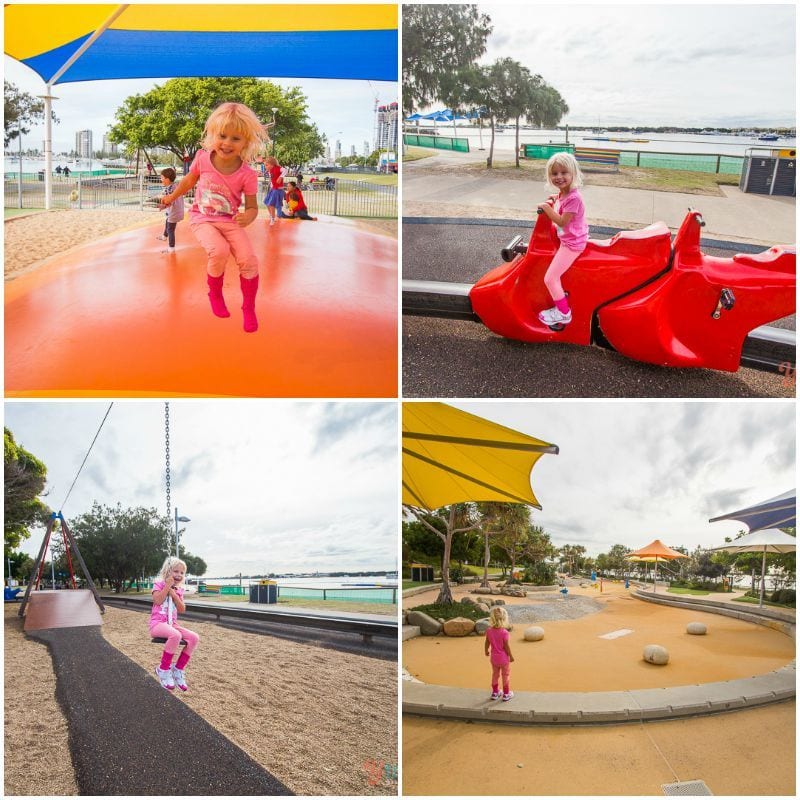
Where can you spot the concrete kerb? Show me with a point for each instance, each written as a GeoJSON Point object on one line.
{"type": "Point", "coordinates": [588, 708]}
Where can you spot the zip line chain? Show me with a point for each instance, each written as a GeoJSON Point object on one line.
{"type": "Point", "coordinates": [166, 447]}
{"type": "Point", "coordinates": [108, 411]}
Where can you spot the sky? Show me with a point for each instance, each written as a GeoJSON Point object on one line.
{"type": "Point", "coordinates": [269, 486]}
{"type": "Point", "coordinates": [630, 472]}
{"type": "Point", "coordinates": [689, 65]}
{"type": "Point", "coordinates": [341, 110]}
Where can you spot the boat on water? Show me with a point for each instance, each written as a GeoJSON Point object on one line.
{"type": "Point", "coordinates": [768, 137]}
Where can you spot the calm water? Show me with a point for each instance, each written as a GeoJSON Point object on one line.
{"type": "Point", "coordinates": [658, 142]}
{"type": "Point", "coordinates": [311, 583]}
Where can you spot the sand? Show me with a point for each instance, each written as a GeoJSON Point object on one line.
{"type": "Point", "coordinates": [322, 721]}
{"type": "Point", "coordinates": [31, 239]}
{"type": "Point", "coordinates": [559, 663]}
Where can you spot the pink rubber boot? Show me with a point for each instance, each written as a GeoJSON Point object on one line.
{"type": "Point", "coordinates": [249, 289]}
{"type": "Point", "coordinates": [215, 296]}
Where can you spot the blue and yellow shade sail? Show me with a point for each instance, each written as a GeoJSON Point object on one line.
{"type": "Point", "coordinates": [357, 42]}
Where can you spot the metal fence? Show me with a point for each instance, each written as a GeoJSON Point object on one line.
{"type": "Point", "coordinates": [336, 197]}
{"type": "Point", "coordinates": [691, 162]}
{"type": "Point", "coordinates": [437, 142]}
{"type": "Point", "coordinates": [358, 594]}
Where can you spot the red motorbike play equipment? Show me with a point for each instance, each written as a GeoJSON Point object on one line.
{"type": "Point", "coordinates": [651, 299]}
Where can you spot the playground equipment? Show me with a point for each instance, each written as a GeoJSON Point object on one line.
{"type": "Point", "coordinates": [69, 608]}
{"type": "Point", "coordinates": [651, 299]}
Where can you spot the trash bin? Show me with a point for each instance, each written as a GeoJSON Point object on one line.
{"type": "Point", "coordinates": [769, 171]}
{"type": "Point", "coordinates": [40, 175]}
{"type": "Point", "coordinates": [264, 592]}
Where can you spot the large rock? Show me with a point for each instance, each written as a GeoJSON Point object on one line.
{"type": "Point", "coordinates": [497, 601]}
{"type": "Point", "coordinates": [697, 628]}
{"type": "Point", "coordinates": [495, 590]}
{"type": "Point", "coordinates": [482, 607]}
{"type": "Point", "coordinates": [459, 626]}
{"type": "Point", "coordinates": [655, 654]}
{"type": "Point", "coordinates": [482, 625]}
{"type": "Point", "coordinates": [428, 625]}
{"type": "Point", "coordinates": [468, 601]}
{"type": "Point", "coordinates": [534, 634]}
{"type": "Point", "coordinates": [483, 590]}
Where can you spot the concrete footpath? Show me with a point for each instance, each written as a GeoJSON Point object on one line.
{"type": "Point", "coordinates": [432, 187]}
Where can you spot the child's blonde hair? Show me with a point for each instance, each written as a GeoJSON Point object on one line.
{"type": "Point", "coordinates": [168, 565]}
{"type": "Point", "coordinates": [239, 119]}
{"type": "Point", "coordinates": [498, 617]}
{"type": "Point", "coordinates": [566, 160]}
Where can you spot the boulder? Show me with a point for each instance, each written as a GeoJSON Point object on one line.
{"type": "Point", "coordinates": [534, 634]}
{"type": "Point", "coordinates": [428, 625]}
{"type": "Point", "coordinates": [468, 601]}
{"type": "Point", "coordinates": [697, 628]}
{"type": "Point", "coordinates": [497, 601]}
{"type": "Point", "coordinates": [495, 590]}
{"type": "Point", "coordinates": [458, 626]}
{"type": "Point", "coordinates": [655, 654]}
{"type": "Point", "coordinates": [483, 590]}
{"type": "Point", "coordinates": [482, 607]}
{"type": "Point", "coordinates": [481, 626]}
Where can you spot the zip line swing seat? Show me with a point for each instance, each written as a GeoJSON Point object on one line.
{"type": "Point", "coordinates": [163, 640]}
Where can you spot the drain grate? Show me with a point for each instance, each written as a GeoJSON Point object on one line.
{"type": "Point", "coordinates": [686, 789]}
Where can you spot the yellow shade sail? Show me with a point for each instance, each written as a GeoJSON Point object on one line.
{"type": "Point", "coordinates": [451, 456]}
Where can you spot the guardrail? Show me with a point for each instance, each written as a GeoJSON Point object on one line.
{"type": "Point", "coordinates": [367, 629]}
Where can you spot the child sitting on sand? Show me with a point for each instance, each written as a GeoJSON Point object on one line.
{"type": "Point", "coordinates": [167, 604]}
{"type": "Point", "coordinates": [233, 135]}
{"type": "Point", "coordinates": [496, 646]}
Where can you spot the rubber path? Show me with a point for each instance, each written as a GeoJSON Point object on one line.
{"type": "Point", "coordinates": [129, 736]}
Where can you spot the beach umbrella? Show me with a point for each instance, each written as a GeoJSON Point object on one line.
{"type": "Point", "coordinates": [86, 42]}
{"type": "Point", "coordinates": [780, 511]}
{"type": "Point", "coordinates": [451, 456]}
{"type": "Point", "coordinates": [761, 541]}
{"type": "Point", "coordinates": [655, 550]}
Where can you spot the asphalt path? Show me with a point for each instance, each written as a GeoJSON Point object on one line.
{"type": "Point", "coordinates": [129, 736]}
{"type": "Point", "coordinates": [453, 358]}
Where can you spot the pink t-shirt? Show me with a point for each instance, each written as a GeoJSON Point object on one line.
{"type": "Point", "coordinates": [217, 197]}
{"type": "Point", "coordinates": [575, 233]}
{"type": "Point", "coordinates": [160, 612]}
{"type": "Point", "coordinates": [497, 639]}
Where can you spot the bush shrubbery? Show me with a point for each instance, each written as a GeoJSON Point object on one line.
{"type": "Point", "coordinates": [785, 597]}
{"type": "Point", "coordinates": [451, 610]}
{"type": "Point", "coordinates": [706, 586]}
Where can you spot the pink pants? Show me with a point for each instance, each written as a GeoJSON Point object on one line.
{"type": "Point", "coordinates": [219, 240]}
{"type": "Point", "coordinates": [561, 262]}
{"type": "Point", "coordinates": [497, 671]}
{"type": "Point", "coordinates": [174, 634]}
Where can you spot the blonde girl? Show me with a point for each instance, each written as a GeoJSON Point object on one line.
{"type": "Point", "coordinates": [167, 604]}
{"type": "Point", "coordinates": [566, 209]}
{"type": "Point", "coordinates": [221, 176]}
{"type": "Point", "coordinates": [497, 647]}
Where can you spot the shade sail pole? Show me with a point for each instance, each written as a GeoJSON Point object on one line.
{"type": "Point", "coordinates": [763, 570]}
{"type": "Point", "coordinates": [48, 104]}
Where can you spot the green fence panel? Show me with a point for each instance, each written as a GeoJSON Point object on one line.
{"type": "Point", "coordinates": [437, 142]}
{"type": "Point", "coordinates": [544, 151]}
{"type": "Point", "coordinates": [691, 162]}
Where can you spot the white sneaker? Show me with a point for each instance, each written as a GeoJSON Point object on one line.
{"type": "Point", "coordinates": [554, 317]}
{"type": "Point", "coordinates": [180, 679]}
{"type": "Point", "coordinates": [169, 250]}
{"type": "Point", "coordinates": [272, 220]}
{"type": "Point", "coordinates": [507, 697]}
{"type": "Point", "coordinates": [165, 676]}
{"type": "Point", "coordinates": [161, 238]}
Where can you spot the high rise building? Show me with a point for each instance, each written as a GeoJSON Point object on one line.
{"type": "Point", "coordinates": [352, 150]}
{"type": "Point", "coordinates": [386, 119]}
{"type": "Point", "coordinates": [337, 153]}
{"type": "Point", "coordinates": [109, 147]}
{"type": "Point", "coordinates": [366, 150]}
{"type": "Point", "coordinates": [83, 144]}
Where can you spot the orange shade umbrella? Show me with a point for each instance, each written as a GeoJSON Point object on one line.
{"type": "Point", "coordinates": [655, 550]}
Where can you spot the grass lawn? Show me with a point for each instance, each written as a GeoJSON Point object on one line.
{"type": "Point", "coordinates": [10, 213]}
{"type": "Point", "coordinates": [412, 153]}
{"type": "Point", "coordinates": [380, 178]}
{"type": "Point", "coordinates": [416, 584]}
{"type": "Point", "coordinates": [754, 601]}
{"type": "Point", "coordinates": [676, 590]}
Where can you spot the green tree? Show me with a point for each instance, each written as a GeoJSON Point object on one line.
{"type": "Point", "coordinates": [173, 115]}
{"type": "Point", "coordinates": [20, 111]}
{"type": "Point", "coordinates": [573, 556]}
{"type": "Point", "coordinates": [512, 532]}
{"type": "Point", "coordinates": [194, 564]}
{"type": "Point", "coordinates": [24, 480]}
{"type": "Point", "coordinates": [122, 545]}
{"type": "Point", "coordinates": [438, 40]}
{"type": "Point", "coordinates": [458, 518]}
{"type": "Point", "coordinates": [498, 520]}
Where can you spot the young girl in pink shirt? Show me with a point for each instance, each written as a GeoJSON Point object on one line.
{"type": "Point", "coordinates": [498, 649]}
{"type": "Point", "coordinates": [167, 604]}
{"type": "Point", "coordinates": [221, 176]}
{"type": "Point", "coordinates": [566, 209]}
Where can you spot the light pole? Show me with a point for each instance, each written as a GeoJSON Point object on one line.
{"type": "Point", "coordinates": [274, 138]}
{"type": "Point", "coordinates": [177, 520]}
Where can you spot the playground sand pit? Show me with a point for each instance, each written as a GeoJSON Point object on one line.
{"type": "Point", "coordinates": [37, 757]}
{"type": "Point", "coordinates": [31, 239]}
{"type": "Point", "coordinates": [573, 658]}
{"type": "Point", "coordinates": [322, 721]}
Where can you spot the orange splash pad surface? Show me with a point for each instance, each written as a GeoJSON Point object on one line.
{"type": "Point", "coordinates": [573, 658]}
{"type": "Point", "coordinates": [118, 318]}
{"type": "Point", "coordinates": [62, 608]}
